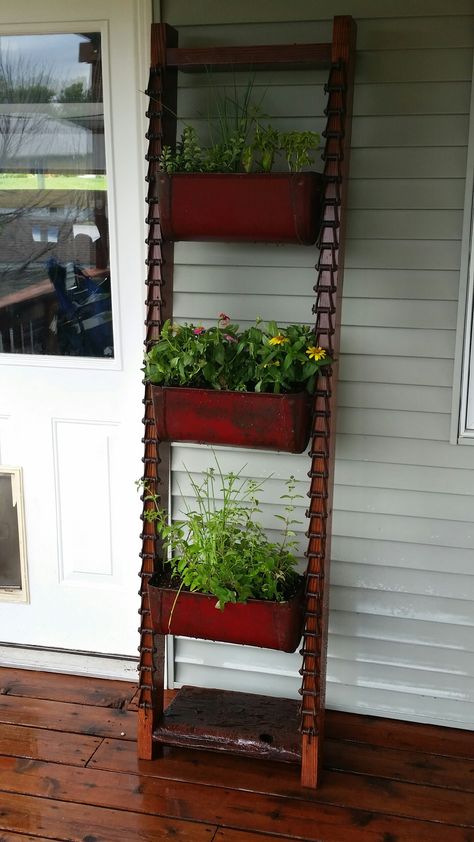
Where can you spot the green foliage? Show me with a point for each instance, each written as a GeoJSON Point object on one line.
{"type": "Point", "coordinates": [219, 548]}
{"type": "Point", "coordinates": [296, 146]}
{"type": "Point", "coordinates": [75, 92]}
{"type": "Point", "coordinates": [240, 143]}
{"type": "Point", "coordinates": [259, 359]}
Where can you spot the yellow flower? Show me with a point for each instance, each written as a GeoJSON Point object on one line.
{"type": "Point", "coordinates": [278, 340]}
{"type": "Point", "coordinates": [316, 353]}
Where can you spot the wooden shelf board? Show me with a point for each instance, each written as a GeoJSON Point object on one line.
{"type": "Point", "coordinates": [266, 57]}
{"type": "Point", "coordinates": [226, 721]}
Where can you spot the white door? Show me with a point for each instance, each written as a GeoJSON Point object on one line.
{"type": "Point", "coordinates": [72, 213]}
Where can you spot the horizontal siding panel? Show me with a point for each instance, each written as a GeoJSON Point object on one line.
{"type": "Point", "coordinates": [435, 65]}
{"type": "Point", "coordinates": [367, 132]}
{"type": "Point", "coordinates": [406, 224]}
{"type": "Point", "coordinates": [412, 98]}
{"type": "Point", "coordinates": [275, 12]}
{"type": "Point", "coordinates": [411, 606]}
{"type": "Point", "coordinates": [302, 99]}
{"type": "Point", "coordinates": [358, 283]}
{"type": "Point", "coordinates": [405, 477]}
{"type": "Point", "coordinates": [242, 308]}
{"type": "Point", "coordinates": [380, 422]}
{"type": "Point", "coordinates": [389, 396]}
{"type": "Point", "coordinates": [433, 162]}
{"type": "Point", "coordinates": [361, 254]}
{"type": "Point", "coordinates": [197, 459]}
{"type": "Point", "coordinates": [298, 101]}
{"type": "Point", "coordinates": [237, 280]}
{"type": "Point", "coordinates": [392, 501]}
{"type": "Point", "coordinates": [400, 314]}
{"type": "Point", "coordinates": [403, 254]}
{"type": "Point", "coordinates": [412, 530]}
{"type": "Point", "coordinates": [244, 254]}
{"type": "Point", "coordinates": [267, 684]}
{"type": "Point", "coordinates": [405, 284]}
{"type": "Point", "coordinates": [396, 314]}
{"type": "Point", "coordinates": [402, 630]}
{"type": "Point", "coordinates": [415, 556]}
{"type": "Point", "coordinates": [407, 193]}
{"type": "Point", "coordinates": [417, 682]}
{"type": "Point", "coordinates": [401, 655]}
{"type": "Point", "coordinates": [380, 449]}
{"type": "Point", "coordinates": [406, 343]}
{"type": "Point", "coordinates": [382, 577]}
{"type": "Point", "coordinates": [429, 130]}
{"type": "Point", "coordinates": [405, 370]}
{"type": "Point", "coordinates": [397, 705]}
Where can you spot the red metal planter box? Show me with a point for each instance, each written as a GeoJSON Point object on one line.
{"type": "Point", "coordinates": [241, 207]}
{"type": "Point", "coordinates": [258, 622]}
{"type": "Point", "coordinates": [242, 419]}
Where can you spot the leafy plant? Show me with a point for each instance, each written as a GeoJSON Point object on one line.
{"type": "Point", "coordinates": [219, 548]}
{"type": "Point", "coordinates": [296, 146]}
{"type": "Point", "coordinates": [259, 359]}
{"type": "Point", "coordinates": [240, 143]}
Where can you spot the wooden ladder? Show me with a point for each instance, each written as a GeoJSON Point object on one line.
{"type": "Point", "coordinates": [275, 728]}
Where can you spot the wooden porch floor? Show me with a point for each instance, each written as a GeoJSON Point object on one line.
{"type": "Point", "coordinates": [68, 771]}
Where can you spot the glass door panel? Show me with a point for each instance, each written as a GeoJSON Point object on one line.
{"type": "Point", "coordinates": [55, 291]}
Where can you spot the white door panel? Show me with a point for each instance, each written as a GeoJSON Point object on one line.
{"type": "Point", "coordinates": [70, 416]}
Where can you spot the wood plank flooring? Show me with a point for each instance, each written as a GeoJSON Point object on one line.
{"type": "Point", "coordinates": [69, 771]}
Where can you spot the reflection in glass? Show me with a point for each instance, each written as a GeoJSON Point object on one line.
{"type": "Point", "coordinates": [10, 557]}
{"type": "Point", "coordinates": [55, 293]}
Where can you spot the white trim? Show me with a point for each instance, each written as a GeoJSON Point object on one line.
{"type": "Point", "coordinates": [463, 382]}
{"type": "Point", "coordinates": [72, 663]}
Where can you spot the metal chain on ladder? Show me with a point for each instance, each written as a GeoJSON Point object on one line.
{"type": "Point", "coordinates": [154, 320]}
{"type": "Point", "coordinates": [322, 447]}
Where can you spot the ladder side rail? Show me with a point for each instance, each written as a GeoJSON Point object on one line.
{"type": "Point", "coordinates": [327, 310]}
{"type": "Point", "coordinates": [161, 113]}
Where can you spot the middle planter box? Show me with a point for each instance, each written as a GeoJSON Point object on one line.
{"type": "Point", "coordinates": [241, 419]}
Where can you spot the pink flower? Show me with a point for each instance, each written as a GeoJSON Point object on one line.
{"type": "Point", "coordinates": [229, 337]}
{"type": "Point", "coordinates": [224, 318]}
{"type": "Point", "coordinates": [198, 330]}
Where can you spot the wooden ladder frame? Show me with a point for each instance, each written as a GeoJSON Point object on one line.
{"type": "Point", "coordinates": [166, 58]}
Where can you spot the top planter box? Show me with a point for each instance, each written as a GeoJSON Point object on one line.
{"type": "Point", "coordinates": [241, 207]}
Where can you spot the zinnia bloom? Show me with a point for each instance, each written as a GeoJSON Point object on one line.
{"type": "Point", "coordinates": [278, 340]}
{"type": "Point", "coordinates": [229, 337]}
{"type": "Point", "coordinates": [316, 353]}
{"type": "Point", "coordinates": [198, 330]}
{"type": "Point", "coordinates": [224, 318]}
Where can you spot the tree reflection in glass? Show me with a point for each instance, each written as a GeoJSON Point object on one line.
{"type": "Point", "coordinates": [55, 295]}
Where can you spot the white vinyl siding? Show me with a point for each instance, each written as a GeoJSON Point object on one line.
{"type": "Point", "coordinates": [402, 578]}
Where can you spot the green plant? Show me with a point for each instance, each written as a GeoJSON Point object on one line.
{"type": "Point", "coordinates": [259, 359]}
{"type": "Point", "coordinates": [296, 146]}
{"type": "Point", "coordinates": [219, 548]}
{"type": "Point", "coordinates": [239, 142]}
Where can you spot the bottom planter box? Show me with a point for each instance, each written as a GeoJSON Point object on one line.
{"type": "Point", "coordinates": [242, 419]}
{"type": "Point", "coordinates": [258, 622]}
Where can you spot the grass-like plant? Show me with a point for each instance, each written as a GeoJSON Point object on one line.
{"type": "Point", "coordinates": [239, 141]}
{"type": "Point", "coordinates": [259, 359]}
{"type": "Point", "coordinates": [220, 548]}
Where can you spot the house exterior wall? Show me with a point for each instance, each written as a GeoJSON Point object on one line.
{"type": "Point", "coordinates": [402, 581]}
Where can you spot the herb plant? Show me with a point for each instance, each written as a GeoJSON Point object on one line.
{"type": "Point", "coordinates": [239, 142]}
{"type": "Point", "coordinates": [219, 548]}
{"type": "Point", "coordinates": [259, 359]}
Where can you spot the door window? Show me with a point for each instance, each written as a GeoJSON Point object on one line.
{"type": "Point", "coordinates": [55, 291]}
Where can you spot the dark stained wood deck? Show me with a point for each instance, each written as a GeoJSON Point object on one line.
{"type": "Point", "coordinates": [68, 771]}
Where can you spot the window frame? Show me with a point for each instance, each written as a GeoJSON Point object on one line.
{"type": "Point", "coordinates": [462, 419]}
